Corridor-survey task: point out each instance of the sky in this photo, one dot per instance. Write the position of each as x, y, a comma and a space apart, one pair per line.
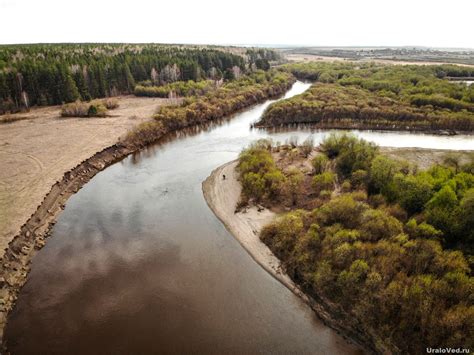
431, 23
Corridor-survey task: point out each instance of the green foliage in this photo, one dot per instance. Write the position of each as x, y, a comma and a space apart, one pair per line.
413, 191
406, 291
422, 230
389, 277
320, 163
294, 184
288, 226
53, 74
350, 153
382, 172
466, 217
259, 175
227, 99
324, 181
359, 178
354, 95
179, 88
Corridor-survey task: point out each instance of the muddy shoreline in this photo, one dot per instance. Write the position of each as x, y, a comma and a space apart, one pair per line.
327, 312
15, 263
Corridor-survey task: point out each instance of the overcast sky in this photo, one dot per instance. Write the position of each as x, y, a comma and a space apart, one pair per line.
438, 23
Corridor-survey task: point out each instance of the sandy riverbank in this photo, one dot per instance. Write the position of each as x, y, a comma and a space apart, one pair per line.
44, 160
40, 146
222, 197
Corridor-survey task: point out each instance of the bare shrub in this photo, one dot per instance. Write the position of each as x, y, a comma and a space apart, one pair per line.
97, 110
84, 109
75, 109
307, 146
110, 103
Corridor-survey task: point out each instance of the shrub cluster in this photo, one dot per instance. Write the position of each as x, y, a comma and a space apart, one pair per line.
179, 88
387, 247
227, 99
376, 96
96, 108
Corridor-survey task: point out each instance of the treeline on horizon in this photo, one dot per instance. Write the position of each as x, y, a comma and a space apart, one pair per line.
374, 96
388, 248
52, 74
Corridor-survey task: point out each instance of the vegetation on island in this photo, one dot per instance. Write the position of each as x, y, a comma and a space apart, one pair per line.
53, 74
215, 104
386, 247
354, 95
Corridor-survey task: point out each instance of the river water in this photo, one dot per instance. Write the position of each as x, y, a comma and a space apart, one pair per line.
137, 263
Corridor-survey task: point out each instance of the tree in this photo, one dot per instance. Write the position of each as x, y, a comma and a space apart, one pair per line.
413, 191
382, 171
169, 74
81, 85
466, 218
154, 76
294, 184
229, 75
262, 64
67, 87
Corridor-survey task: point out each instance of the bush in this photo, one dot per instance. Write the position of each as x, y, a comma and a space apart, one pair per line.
75, 109
179, 88
349, 152
320, 163
324, 181
359, 178
403, 290
96, 108
355, 250
307, 146
366, 96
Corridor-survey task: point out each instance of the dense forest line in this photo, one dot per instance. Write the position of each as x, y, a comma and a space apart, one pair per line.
214, 104
51, 74
350, 95
384, 246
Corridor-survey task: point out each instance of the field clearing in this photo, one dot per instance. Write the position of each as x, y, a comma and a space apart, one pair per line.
39, 146
319, 58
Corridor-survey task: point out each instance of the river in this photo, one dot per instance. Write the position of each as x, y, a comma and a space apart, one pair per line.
137, 262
